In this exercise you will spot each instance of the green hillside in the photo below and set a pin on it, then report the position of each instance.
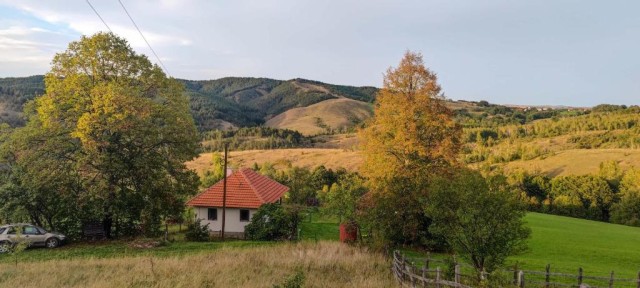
(14, 93)
(225, 102)
(569, 243)
(252, 101)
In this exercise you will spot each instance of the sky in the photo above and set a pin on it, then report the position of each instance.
(542, 52)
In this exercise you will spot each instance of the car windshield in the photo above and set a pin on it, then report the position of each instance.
(2, 230)
(42, 231)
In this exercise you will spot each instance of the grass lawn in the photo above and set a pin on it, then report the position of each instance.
(115, 249)
(569, 243)
(317, 227)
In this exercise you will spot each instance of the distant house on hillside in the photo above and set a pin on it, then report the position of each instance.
(246, 192)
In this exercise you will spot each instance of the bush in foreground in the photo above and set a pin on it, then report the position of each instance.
(197, 232)
(273, 221)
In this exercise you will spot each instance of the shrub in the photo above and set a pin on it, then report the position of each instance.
(197, 232)
(627, 211)
(273, 222)
(296, 280)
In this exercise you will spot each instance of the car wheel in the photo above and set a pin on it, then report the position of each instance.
(5, 247)
(52, 243)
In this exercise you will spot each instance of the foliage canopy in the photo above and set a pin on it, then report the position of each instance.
(107, 141)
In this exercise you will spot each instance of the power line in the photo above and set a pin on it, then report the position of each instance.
(145, 39)
(94, 10)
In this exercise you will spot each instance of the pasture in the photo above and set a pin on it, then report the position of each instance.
(282, 158)
(568, 244)
(323, 264)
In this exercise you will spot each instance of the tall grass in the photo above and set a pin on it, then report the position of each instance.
(324, 264)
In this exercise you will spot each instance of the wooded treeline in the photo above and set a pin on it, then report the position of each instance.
(611, 195)
(600, 128)
(14, 94)
(250, 138)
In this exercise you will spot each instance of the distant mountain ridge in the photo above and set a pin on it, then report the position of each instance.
(215, 104)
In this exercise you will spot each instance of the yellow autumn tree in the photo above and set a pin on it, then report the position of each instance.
(411, 138)
(412, 133)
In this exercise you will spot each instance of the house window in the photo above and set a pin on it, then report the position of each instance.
(212, 214)
(244, 215)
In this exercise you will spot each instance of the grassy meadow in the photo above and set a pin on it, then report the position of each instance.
(564, 243)
(323, 264)
(317, 118)
(578, 161)
(282, 158)
(569, 243)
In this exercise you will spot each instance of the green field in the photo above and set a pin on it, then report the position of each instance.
(564, 243)
(569, 243)
(316, 227)
(117, 249)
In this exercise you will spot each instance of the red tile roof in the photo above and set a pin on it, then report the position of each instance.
(245, 189)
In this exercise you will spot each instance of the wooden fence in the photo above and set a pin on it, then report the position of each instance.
(419, 272)
(409, 275)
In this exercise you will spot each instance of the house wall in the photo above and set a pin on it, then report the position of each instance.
(233, 223)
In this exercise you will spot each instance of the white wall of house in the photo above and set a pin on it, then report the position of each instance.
(233, 223)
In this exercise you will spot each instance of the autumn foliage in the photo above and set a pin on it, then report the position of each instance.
(411, 138)
(412, 133)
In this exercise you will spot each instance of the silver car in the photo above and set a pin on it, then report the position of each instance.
(33, 235)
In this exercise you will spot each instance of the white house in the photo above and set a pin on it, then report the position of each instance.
(246, 192)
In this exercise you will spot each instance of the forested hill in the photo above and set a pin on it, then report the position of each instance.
(252, 101)
(214, 103)
(14, 93)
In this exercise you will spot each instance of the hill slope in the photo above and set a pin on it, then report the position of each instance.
(569, 243)
(328, 115)
(252, 101)
(14, 93)
(226, 102)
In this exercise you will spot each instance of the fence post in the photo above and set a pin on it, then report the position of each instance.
(546, 276)
(410, 272)
(638, 279)
(515, 273)
(403, 266)
(579, 276)
(611, 280)
(457, 277)
(424, 275)
(438, 277)
(521, 279)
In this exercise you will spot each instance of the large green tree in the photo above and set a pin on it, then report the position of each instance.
(479, 218)
(411, 138)
(109, 138)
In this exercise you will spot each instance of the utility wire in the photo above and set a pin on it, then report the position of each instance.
(94, 10)
(145, 39)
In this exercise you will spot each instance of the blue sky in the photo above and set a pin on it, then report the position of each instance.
(577, 53)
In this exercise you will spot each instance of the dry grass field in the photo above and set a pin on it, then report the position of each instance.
(334, 113)
(578, 161)
(281, 158)
(324, 264)
(560, 163)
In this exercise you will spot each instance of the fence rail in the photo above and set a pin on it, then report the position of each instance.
(418, 272)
